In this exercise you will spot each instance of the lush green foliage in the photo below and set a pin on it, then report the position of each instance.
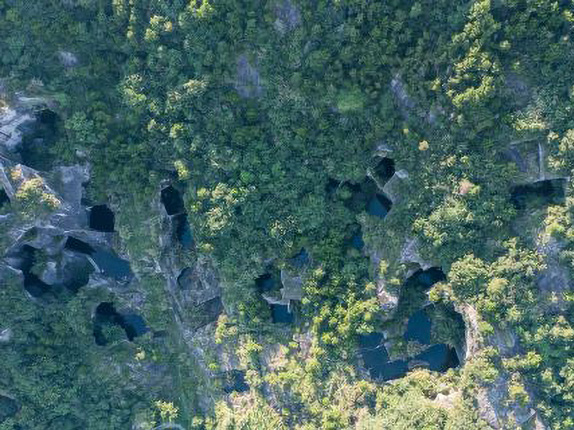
(256, 114)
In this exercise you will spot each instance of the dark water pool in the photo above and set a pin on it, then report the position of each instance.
(280, 314)
(172, 200)
(419, 328)
(101, 218)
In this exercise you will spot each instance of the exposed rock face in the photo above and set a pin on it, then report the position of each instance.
(68, 59)
(531, 160)
(410, 254)
(394, 189)
(248, 83)
(5, 335)
(406, 104)
(48, 233)
(11, 120)
(288, 16)
(554, 280)
(494, 406)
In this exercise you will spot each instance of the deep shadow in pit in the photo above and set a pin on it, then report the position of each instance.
(38, 137)
(25, 259)
(234, 381)
(538, 194)
(4, 199)
(438, 358)
(206, 313)
(384, 170)
(107, 318)
(356, 239)
(376, 359)
(414, 289)
(183, 232)
(73, 272)
(8, 407)
(282, 314)
(108, 262)
(101, 218)
(172, 200)
(366, 196)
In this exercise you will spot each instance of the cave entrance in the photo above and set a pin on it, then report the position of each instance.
(538, 194)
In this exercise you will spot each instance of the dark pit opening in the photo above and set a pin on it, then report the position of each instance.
(4, 199)
(8, 407)
(101, 218)
(106, 317)
(301, 259)
(108, 262)
(538, 194)
(379, 206)
(77, 245)
(185, 278)
(207, 312)
(439, 358)
(183, 231)
(112, 265)
(37, 140)
(234, 381)
(366, 196)
(385, 169)
(419, 328)
(413, 292)
(356, 240)
(427, 278)
(265, 283)
(281, 314)
(25, 259)
(172, 201)
(376, 358)
(331, 187)
(77, 273)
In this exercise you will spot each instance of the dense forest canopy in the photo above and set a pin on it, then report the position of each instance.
(280, 182)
